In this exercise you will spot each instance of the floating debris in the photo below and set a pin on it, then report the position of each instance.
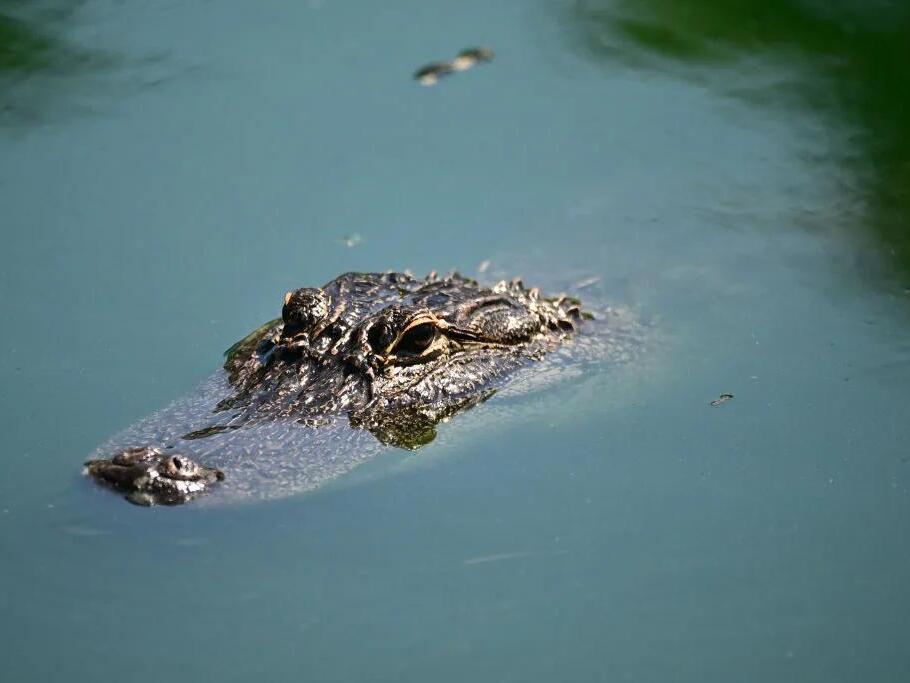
(85, 531)
(723, 398)
(191, 542)
(483, 267)
(351, 240)
(499, 557)
(431, 73)
(474, 55)
(587, 282)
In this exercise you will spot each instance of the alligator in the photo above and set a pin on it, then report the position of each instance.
(391, 354)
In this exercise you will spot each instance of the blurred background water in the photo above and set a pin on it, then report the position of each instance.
(737, 172)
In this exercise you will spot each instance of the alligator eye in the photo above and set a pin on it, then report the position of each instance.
(379, 336)
(417, 339)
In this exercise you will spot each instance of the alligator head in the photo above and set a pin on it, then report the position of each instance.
(394, 353)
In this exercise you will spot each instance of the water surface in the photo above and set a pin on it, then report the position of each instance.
(735, 173)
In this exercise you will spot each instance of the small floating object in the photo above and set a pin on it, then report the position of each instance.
(86, 531)
(587, 282)
(474, 55)
(351, 240)
(431, 73)
(723, 398)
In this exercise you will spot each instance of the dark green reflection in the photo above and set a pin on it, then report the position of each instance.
(851, 61)
(33, 53)
(22, 48)
(30, 39)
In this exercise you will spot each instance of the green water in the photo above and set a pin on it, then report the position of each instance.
(736, 172)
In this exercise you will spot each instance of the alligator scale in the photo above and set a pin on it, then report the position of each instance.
(369, 360)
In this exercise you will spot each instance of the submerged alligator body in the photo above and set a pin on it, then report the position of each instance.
(382, 355)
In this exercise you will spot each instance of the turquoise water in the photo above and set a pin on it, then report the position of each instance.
(735, 173)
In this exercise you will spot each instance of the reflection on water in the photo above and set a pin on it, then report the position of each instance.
(36, 61)
(22, 48)
(30, 38)
(47, 71)
(847, 61)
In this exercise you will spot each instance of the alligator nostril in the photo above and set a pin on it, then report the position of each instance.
(179, 462)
